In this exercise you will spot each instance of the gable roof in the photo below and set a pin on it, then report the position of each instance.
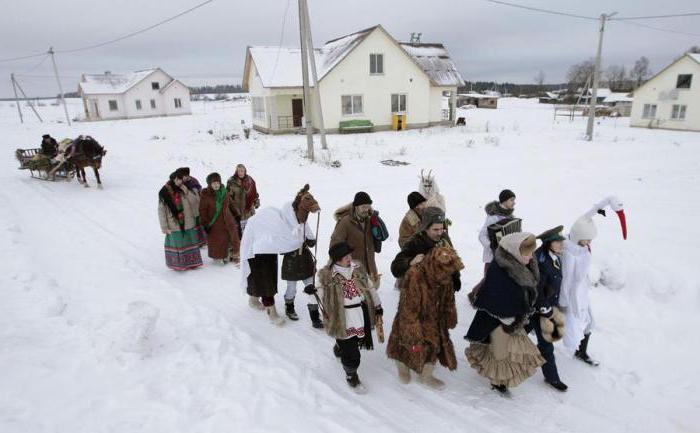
(618, 97)
(693, 56)
(281, 66)
(109, 83)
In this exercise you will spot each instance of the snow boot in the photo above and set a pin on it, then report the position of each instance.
(289, 309)
(255, 303)
(427, 378)
(404, 372)
(336, 351)
(355, 384)
(582, 352)
(558, 385)
(315, 316)
(501, 390)
(275, 318)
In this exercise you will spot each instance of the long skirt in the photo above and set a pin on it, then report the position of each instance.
(262, 281)
(507, 360)
(182, 250)
(201, 234)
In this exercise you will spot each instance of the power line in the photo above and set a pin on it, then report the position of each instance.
(121, 38)
(13, 59)
(279, 46)
(659, 29)
(546, 11)
(689, 14)
(46, 56)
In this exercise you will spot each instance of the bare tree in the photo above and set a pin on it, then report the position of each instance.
(616, 76)
(578, 74)
(640, 72)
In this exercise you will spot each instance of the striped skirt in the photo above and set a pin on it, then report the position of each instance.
(182, 250)
(201, 233)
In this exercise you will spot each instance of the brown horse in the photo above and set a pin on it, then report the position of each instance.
(304, 203)
(83, 152)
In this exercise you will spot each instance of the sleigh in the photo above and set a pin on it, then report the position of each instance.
(43, 167)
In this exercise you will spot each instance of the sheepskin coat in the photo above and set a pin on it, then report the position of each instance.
(410, 225)
(358, 235)
(168, 221)
(427, 312)
(223, 234)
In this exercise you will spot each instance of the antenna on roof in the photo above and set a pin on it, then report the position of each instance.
(415, 37)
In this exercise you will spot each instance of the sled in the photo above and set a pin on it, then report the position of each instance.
(41, 167)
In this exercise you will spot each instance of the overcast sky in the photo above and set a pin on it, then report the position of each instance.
(486, 41)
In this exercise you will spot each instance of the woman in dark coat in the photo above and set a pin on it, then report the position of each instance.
(217, 214)
(500, 349)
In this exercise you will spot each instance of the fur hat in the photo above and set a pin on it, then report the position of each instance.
(184, 170)
(518, 244)
(339, 250)
(505, 195)
(213, 177)
(432, 215)
(176, 174)
(583, 229)
(414, 199)
(361, 198)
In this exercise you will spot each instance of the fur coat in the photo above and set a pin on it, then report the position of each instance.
(427, 312)
(410, 225)
(358, 235)
(223, 234)
(333, 301)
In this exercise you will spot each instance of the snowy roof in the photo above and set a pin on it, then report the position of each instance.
(281, 66)
(435, 62)
(109, 83)
(602, 92)
(695, 56)
(618, 97)
(478, 95)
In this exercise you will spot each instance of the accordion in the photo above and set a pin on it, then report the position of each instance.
(506, 226)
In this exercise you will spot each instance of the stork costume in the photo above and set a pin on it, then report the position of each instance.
(576, 262)
(268, 233)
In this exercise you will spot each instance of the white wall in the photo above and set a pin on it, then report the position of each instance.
(661, 90)
(351, 77)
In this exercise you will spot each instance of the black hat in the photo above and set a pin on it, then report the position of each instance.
(184, 170)
(552, 235)
(432, 215)
(414, 199)
(339, 250)
(213, 177)
(46, 136)
(505, 195)
(361, 198)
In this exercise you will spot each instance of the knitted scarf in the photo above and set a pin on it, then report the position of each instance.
(171, 196)
(219, 196)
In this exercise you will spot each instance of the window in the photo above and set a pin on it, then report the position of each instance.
(678, 112)
(153, 104)
(155, 85)
(351, 104)
(398, 103)
(258, 107)
(683, 81)
(178, 103)
(113, 105)
(138, 104)
(376, 63)
(649, 111)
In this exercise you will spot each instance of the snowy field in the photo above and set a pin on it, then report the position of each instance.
(97, 335)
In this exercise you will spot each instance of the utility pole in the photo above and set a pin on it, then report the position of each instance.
(60, 88)
(593, 101)
(14, 88)
(305, 76)
(29, 102)
(317, 92)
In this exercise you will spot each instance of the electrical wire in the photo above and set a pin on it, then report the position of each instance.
(689, 14)
(659, 29)
(279, 46)
(546, 11)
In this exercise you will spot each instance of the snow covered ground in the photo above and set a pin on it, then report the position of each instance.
(97, 335)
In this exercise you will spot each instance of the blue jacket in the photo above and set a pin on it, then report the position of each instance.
(550, 280)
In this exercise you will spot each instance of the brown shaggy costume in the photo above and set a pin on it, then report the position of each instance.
(427, 312)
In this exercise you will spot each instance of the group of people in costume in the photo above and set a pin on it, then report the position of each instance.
(192, 217)
(525, 287)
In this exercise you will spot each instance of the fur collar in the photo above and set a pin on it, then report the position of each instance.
(495, 208)
(342, 211)
(524, 276)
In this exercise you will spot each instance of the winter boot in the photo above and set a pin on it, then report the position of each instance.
(255, 303)
(501, 389)
(404, 372)
(427, 378)
(582, 352)
(558, 385)
(355, 384)
(315, 316)
(275, 318)
(289, 309)
(336, 351)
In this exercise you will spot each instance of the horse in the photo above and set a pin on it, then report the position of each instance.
(85, 151)
(429, 189)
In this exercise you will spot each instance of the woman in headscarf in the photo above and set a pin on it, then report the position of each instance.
(217, 215)
(244, 194)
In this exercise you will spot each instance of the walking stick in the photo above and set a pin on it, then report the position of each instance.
(318, 300)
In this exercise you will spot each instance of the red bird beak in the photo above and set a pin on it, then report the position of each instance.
(623, 222)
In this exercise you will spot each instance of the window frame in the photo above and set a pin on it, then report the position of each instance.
(138, 104)
(258, 106)
(354, 98)
(398, 103)
(377, 65)
(155, 85)
(113, 105)
(153, 104)
(649, 111)
(684, 86)
(678, 111)
(178, 102)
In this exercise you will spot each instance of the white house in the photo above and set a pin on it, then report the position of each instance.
(620, 103)
(147, 93)
(366, 75)
(671, 98)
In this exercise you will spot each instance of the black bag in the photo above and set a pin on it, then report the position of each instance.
(298, 266)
